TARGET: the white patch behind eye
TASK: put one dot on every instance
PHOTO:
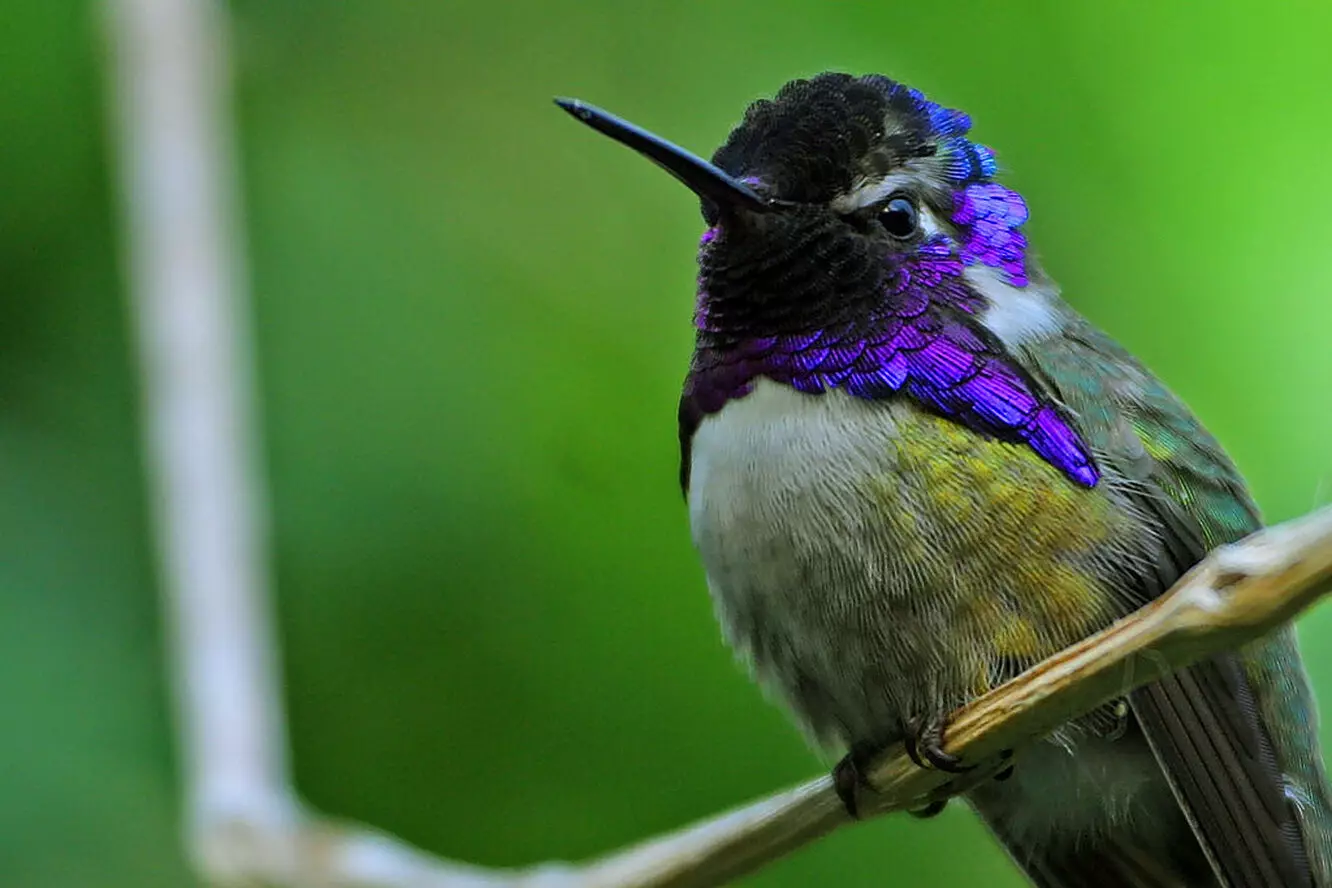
(872, 191)
(1017, 315)
(929, 225)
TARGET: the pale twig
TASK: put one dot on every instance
(189, 304)
(246, 826)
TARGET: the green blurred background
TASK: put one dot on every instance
(472, 320)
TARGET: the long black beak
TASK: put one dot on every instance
(708, 181)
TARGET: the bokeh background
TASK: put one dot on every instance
(472, 318)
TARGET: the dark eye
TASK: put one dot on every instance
(899, 217)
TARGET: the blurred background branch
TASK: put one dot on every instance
(190, 304)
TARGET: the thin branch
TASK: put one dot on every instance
(246, 826)
(189, 303)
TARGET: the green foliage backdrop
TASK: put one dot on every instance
(472, 319)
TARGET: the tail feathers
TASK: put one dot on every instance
(1117, 867)
(1110, 863)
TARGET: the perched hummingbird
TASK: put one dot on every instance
(913, 471)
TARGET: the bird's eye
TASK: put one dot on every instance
(899, 217)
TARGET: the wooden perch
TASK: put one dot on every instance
(245, 823)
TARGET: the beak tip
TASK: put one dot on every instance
(573, 106)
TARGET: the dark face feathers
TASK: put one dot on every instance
(789, 273)
(813, 265)
(817, 137)
(799, 200)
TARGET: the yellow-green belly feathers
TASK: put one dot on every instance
(875, 563)
(930, 544)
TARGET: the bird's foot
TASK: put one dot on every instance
(849, 775)
(849, 780)
(933, 809)
(999, 768)
(924, 744)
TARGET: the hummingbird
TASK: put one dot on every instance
(913, 471)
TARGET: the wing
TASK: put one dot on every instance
(1204, 724)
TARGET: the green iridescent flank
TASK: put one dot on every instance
(1192, 469)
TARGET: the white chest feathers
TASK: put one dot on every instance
(772, 455)
(795, 551)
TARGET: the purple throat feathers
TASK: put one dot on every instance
(930, 356)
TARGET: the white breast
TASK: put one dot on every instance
(769, 457)
(796, 550)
